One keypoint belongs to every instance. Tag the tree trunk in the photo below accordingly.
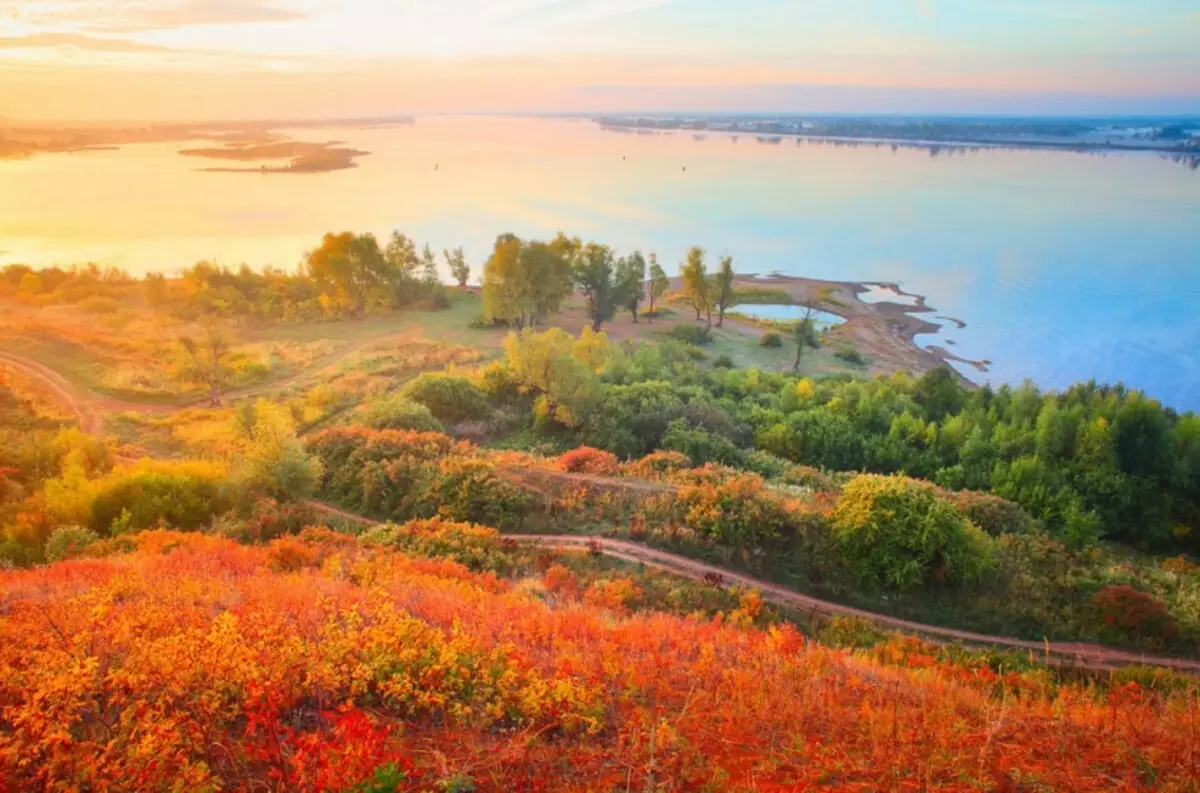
(360, 307)
(721, 317)
(799, 355)
(214, 395)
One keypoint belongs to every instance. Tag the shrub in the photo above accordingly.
(740, 512)
(850, 633)
(586, 460)
(850, 355)
(470, 490)
(895, 532)
(185, 496)
(276, 463)
(290, 555)
(614, 594)
(397, 413)
(993, 514)
(766, 464)
(808, 477)
(658, 465)
(691, 334)
(477, 547)
(450, 398)
(702, 447)
(723, 362)
(771, 338)
(69, 542)
(1133, 613)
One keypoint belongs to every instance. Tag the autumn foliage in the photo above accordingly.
(319, 663)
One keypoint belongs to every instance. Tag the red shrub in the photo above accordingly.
(586, 460)
(1133, 612)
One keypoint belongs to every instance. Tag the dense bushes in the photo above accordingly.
(450, 398)
(739, 513)
(1130, 612)
(182, 495)
(896, 532)
(477, 547)
(691, 334)
(398, 413)
(772, 338)
(403, 475)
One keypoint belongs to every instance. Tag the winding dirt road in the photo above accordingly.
(1088, 656)
(91, 411)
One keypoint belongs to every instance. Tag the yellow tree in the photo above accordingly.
(695, 282)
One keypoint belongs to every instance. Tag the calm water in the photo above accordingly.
(1064, 266)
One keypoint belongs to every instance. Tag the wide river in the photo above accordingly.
(1064, 266)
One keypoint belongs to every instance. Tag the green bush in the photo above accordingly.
(723, 362)
(397, 413)
(691, 334)
(850, 355)
(69, 542)
(470, 490)
(771, 338)
(184, 496)
(896, 532)
(450, 398)
(477, 547)
(993, 514)
(701, 446)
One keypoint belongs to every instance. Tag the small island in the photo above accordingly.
(303, 157)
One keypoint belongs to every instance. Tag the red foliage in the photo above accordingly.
(1133, 612)
(586, 460)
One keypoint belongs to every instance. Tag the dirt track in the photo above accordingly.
(1088, 656)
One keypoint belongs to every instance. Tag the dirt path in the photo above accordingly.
(1088, 656)
(90, 420)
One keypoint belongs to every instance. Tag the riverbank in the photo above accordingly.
(885, 332)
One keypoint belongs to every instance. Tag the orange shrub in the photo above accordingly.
(191, 664)
(586, 460)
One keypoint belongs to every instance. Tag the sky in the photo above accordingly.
(126, 60)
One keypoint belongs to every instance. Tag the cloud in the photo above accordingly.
(143, 15)
(76, 41)
(189, 13)
(574, 11)
(925, 9)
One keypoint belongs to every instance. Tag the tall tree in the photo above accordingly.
(631, 281)
(805, 331)
(695, 281)
(347, 267)
(524, 282)
(659, 283)
(723, 291)
(595, 275)
(456, 261)
(205, 359)
(429, 271)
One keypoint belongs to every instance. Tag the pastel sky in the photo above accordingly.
(194, 59)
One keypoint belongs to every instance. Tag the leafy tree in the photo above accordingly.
(275, 462)
(524, 282)
(631, 281)
(544, 364)
(804, 334)
(723, 288)
(348, 267)
(695, 282)
(456, 261)
(396, 413)
(659, 283)
(595, 275)
(206, 359)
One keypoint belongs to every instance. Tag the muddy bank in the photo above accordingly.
(883, 331)
(304, 157)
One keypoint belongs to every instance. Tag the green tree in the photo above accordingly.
(595, 275)
(275, 462)
(456, 261)
(429, 271)
(545, 365)
(804, 333)
(695, 282)
(524, 282)
(723, 288)
(347, 267)
(631, 281)
(659, 283)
